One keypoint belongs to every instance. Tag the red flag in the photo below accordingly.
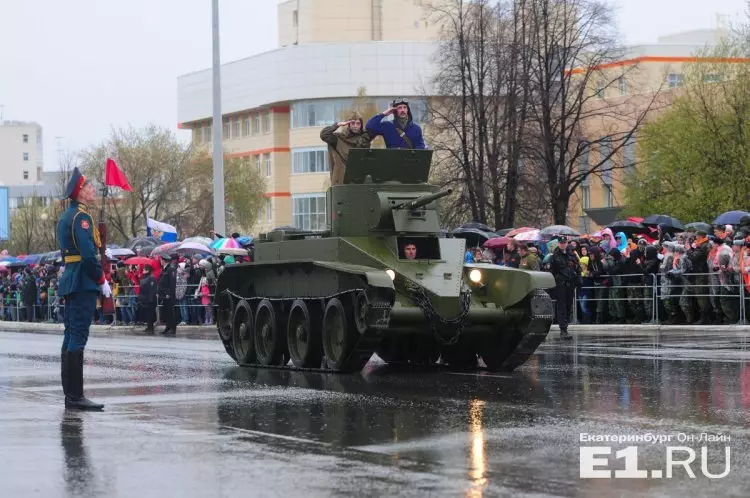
(114, 177)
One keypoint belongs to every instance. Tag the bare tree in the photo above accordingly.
(576, 61)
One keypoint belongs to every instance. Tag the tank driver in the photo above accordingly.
(80, 285)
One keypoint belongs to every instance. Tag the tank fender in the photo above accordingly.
(374, 276)
(506, 286)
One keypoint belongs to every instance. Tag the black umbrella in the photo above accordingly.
(700, 226)
(672, 224)
(730, 218)
(627, 227)
(477, 225)
(503, 231)
(474, 237)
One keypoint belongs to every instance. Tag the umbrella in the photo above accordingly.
(627, 227)
(225, 243)
(236, 251)
(165, 249)
(200, 240)
(559, 230)
(497, 242)
(245, 241)
(516, 231)
(139, 260)
(503, 231)
(673, 224)
(473, 237)
(121, 252)
(477, 225)
(700, 226)
(194, 247)
(730, 218)
(530, 236)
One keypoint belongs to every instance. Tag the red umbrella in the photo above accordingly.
(138, 260)
(516, 231)
(497, 242)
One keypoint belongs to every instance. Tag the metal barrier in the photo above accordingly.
(677, 290)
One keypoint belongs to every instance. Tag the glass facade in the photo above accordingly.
(310, 160)
(324, 112)
(309, 211)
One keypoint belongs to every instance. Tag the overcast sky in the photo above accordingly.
(80, 67)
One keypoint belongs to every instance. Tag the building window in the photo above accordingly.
(25, 174)
(236, 128)
(25, 138)
(227, 130)
(675, 80)
(295, 18)
(622, 83)
(309, 211)
(605, 149)
(600, 89)
(207, 133)
(712, 78)
(583, 163)
(25, 156)
(197, 136)
(246, 126)
(583, 223)
(313, 160)
(628, 156)
(269, 209)
(267, 122)
(267, 160)
(585, 197)
(256, 162)
(256, 123)
(609, 198)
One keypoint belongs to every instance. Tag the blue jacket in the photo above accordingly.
(79, 242)
(390, 132)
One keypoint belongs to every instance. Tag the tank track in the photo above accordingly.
(378, 317)
(541, 316)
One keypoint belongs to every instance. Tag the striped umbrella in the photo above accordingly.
(225, 243)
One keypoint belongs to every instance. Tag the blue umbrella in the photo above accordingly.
(245, 241)
(730, 218)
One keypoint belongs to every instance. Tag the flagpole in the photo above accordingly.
(218, 151)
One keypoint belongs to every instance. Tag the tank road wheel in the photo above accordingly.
(270, 343)
(340, 338)
(224, 310)
(243, 341)
(303, 335)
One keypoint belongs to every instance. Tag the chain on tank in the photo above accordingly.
(422, 300)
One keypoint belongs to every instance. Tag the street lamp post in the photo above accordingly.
(218, 153)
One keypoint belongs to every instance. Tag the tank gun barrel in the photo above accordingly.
(423, 200)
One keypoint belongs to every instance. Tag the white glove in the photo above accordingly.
(106, 289)
(108, 253)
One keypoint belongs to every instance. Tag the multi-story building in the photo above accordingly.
(643, 71)
(274, 104)
(21, 157)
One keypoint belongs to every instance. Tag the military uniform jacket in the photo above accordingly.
(79, 244)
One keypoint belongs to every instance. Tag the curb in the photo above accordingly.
(185, 331)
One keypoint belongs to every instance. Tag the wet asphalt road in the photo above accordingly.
(182, 420)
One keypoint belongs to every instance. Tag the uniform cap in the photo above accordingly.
(75, 184)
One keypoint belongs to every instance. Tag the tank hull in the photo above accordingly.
(336, 305)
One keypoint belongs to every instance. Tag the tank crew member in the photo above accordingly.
(167, 291)
(410, 250)
(565, 268)
(403, 132)
(80, 284)
(341, 137)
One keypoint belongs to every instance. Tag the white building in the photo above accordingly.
(21, 156)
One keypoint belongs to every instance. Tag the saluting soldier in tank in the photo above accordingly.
(80, 285)
(403, 132)
(341, 137)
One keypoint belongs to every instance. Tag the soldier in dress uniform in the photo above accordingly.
(80, 285)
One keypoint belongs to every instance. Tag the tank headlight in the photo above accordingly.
(391, 274)
(475, 276)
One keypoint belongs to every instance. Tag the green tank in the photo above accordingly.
(380, 278)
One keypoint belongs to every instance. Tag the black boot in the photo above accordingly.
(75, 399)
(64, 370)
(564, 335)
